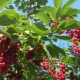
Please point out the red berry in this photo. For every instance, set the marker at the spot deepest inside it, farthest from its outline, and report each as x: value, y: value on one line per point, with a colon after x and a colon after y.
x: 1, y: 59
x: 66, y: 18
x: 2, y: 64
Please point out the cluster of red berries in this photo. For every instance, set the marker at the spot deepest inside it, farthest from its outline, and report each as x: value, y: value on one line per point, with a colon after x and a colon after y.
x: 75, y: 50
x: 30, y: 57
x: 15, y: 76
x: 74, y: 34
x: 60, y: 75
x: 54, y: 23
x: 57, y: 69
x: 8, y: 52
x: 30, y: 54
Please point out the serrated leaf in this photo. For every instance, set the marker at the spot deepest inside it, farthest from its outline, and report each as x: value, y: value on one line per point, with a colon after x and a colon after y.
x: 4, y: 3
x: 43, y: 17
x: 66, y: 6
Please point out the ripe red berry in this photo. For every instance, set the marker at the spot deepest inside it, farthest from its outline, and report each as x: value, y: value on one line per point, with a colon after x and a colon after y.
x: 2, y: 64
x: 1, y: 59
x: 66, y: 18
x: 38, y: 49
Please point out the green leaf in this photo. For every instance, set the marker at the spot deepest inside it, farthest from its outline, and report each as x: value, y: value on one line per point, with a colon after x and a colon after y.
x: 4, y: 3
x: 57, y: 3
x: 46, y: 8
x: 12, y: 30
x: 22, y: 16
x: 66, y: 6
x: 32, y: 69
x: 53, y: 12
x: 43, y: 17
x: 37, y: 30
x: 67, y: 25
x: 71, y: 25
x: 59, y: 50
x: 34, y: 35
x: 72, y: 12
x: 52, y: 51
x: 40, y: 26
x: 14, y: 38
x: 62, y: 37
x: 58, y: 13
x: 44, y: 38
x: 8, y: 20
x: 10, y: 12
x: 55, y: 50
x: 11, y: 7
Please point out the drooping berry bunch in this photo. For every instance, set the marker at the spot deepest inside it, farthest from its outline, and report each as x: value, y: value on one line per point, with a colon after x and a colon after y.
x: 8, y: 51
x: 74, y: 34
x: 74, y: 49
x: 56, y: 69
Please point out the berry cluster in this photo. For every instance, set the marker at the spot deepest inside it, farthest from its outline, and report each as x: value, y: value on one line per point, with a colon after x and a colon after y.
x: 54, y: 23
x: 8, y: 52
x: 74, y: 34
x: 15, y: 76
x: 56, y: 69
x: 75, y: 50
x: 30, y: 54
x: 30, y: 57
